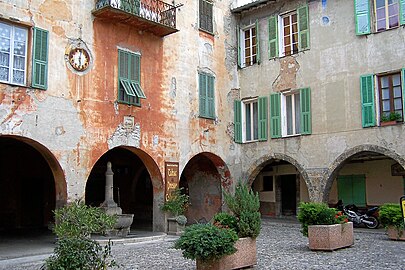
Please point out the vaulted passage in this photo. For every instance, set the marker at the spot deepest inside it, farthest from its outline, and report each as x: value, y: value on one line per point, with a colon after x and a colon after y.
x: 280, y: 187
x: 133, y: 190
x: 201, y: 180
x: 27, y: 193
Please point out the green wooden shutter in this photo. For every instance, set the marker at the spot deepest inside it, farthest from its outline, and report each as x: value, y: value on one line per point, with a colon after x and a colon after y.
x: 202, y: 86
x: 257, y: 42
x: 275, y: 115
x: 362, y: 14
x: 238, y: 121
x: 303, y: 28
x: 262, y: 104
x: 305, y: 100
x: 210, y: 97
x: 403, y: 93
x: 239, y: 49
x: 273, y: 37
x: 367, y: 100
x: 402, y: 12
x: 40, y: 59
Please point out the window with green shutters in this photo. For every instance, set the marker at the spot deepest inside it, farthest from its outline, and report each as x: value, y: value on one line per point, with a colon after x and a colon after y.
x: 248, y: 45
x: 382, y: 98
x: 292, y: 29
x: 206, y: 89
x: 386, y: 14
x: 352, y: 189
x: 206, y: 17
x: 251, y: 120
x: 290, y: 113
x: 129, y: 74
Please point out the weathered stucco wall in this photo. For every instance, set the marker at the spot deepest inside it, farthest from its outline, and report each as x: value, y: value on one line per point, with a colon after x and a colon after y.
x: 331, y: 68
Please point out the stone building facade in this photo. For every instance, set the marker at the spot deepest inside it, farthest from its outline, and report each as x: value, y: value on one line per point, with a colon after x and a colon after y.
x: 199, y: 94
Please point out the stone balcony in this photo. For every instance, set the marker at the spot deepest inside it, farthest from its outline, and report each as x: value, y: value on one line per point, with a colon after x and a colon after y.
x: 152, y: 16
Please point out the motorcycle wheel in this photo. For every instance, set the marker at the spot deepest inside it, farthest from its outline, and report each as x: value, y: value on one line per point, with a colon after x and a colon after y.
x: 374, y: 224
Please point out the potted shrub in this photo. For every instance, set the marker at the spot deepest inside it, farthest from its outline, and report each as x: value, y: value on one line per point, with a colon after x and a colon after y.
x: 223, y: 250
x: 74, y: 249
x: 176, y: 205
x: 390, y: 119
x: 326, y: 228
x: 391, y: 218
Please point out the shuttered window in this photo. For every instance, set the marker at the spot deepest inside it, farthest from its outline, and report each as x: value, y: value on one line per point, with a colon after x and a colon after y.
x: 293, y: 30
x: 305, y: 95
x: 40, y: 59
x: 362, y: 13
x: 367, y: 100
x: 129, y: 85
x: 250, y: 120
x: 206, y: 16
x: 206, y: 95
x: 248, y: 46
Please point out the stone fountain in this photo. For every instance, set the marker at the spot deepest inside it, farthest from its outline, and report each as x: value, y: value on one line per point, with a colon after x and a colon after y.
x: 109, y: 206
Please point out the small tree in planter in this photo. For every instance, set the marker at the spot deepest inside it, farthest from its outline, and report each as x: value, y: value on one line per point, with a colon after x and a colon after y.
x: 176, y: 205
x: 74, y: 248
x: 326, y: 228
x: 391, y: 218
x: 213, y: 245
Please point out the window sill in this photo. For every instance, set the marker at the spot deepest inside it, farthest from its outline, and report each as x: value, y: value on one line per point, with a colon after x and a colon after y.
x: 129, y: 104
x: 207, y: 117
x: 390, y: 123
x: 206, y: 32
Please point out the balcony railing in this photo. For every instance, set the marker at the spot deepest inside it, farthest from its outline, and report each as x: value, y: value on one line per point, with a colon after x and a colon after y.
x: 150, y: 15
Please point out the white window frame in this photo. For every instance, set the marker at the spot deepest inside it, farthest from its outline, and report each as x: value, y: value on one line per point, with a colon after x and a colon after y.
x: 281, y: 31
x: 386, y: 7
x: 12, y: 55
x: 242, y: 45
x: 283, y: 106
x: 244, y: 120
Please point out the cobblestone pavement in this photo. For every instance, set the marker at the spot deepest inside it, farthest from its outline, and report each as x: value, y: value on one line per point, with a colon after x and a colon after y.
x: 280, y: 246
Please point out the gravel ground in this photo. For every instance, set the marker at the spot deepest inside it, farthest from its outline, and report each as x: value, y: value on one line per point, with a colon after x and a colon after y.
x: 279, y: 246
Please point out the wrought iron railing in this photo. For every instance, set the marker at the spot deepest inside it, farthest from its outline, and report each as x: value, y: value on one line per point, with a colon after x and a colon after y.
x: 152, y: 10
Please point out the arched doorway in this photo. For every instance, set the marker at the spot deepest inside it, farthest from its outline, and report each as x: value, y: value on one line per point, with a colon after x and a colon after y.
x: 133, y: 188
x: 366, y: 176
x: 32, y: 184
x: 281, y: 186
x: 203, y: 179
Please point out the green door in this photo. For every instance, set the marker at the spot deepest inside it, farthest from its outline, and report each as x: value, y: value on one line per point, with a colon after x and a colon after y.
x: 352, y: 189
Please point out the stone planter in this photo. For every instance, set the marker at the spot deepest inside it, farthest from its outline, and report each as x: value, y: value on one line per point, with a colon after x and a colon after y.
x: 330, y: 237
x: 173, y: 227
x: 123, y: 225
x: 245, y: 256
x: 394, y: 234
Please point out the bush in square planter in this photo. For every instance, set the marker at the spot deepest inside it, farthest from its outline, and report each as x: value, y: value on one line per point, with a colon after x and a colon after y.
x: 176, y: 205
x: 222, y: 251
x: 391, y: 219
x: 326, y: 228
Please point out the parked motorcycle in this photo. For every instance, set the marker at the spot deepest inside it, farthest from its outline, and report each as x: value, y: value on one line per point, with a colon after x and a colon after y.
x: 354, y: 215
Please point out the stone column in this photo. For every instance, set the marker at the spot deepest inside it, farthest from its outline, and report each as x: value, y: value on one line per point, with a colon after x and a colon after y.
x: 109, y: 205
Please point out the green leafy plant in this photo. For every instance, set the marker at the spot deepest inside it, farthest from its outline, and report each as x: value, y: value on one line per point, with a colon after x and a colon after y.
x: 318, y: 214
x: 225, y: 220
x: 206, y: 242
x: 393, y: 116
x: 74, y: 249
x: 177, y: 202
x: 245, y: 205
x: 390, y: 215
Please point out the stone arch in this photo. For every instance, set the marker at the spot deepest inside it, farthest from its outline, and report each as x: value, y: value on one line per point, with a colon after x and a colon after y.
x: 260, y: 163
x: 342, y: 159
x: 133, y: 169
x: 205, y: 177
x: 57, y: 194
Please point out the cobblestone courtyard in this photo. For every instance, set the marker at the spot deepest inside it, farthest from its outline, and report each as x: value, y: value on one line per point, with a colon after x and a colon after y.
x: 280, y: 246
